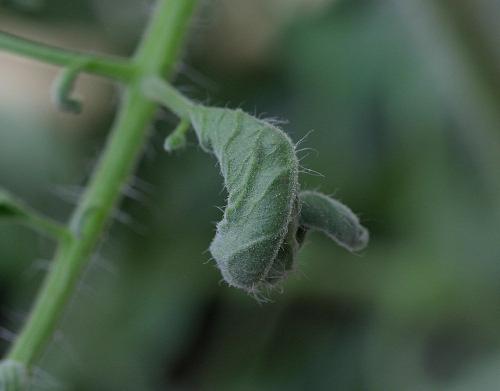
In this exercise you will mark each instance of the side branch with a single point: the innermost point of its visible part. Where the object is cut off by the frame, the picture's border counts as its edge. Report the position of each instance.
(115, 68)
(14, 210)
(160, 91)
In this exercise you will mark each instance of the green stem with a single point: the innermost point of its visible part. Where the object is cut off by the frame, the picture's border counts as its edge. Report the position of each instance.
(177, 139)
(162, 92)
(156, 55)
(115, 68)
(13, 209)
(48, 227)
(62, 88)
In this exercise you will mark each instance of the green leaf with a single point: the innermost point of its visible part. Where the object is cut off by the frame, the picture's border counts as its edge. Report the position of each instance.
(334, 219)
(255, 245)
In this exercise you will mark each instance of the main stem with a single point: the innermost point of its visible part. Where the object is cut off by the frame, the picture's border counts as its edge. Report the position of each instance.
(156, 55)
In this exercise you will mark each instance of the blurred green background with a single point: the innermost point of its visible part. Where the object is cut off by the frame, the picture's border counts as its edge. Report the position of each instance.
(398, 102)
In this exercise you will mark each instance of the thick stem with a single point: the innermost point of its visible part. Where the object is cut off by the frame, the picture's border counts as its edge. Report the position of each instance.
(157, 54)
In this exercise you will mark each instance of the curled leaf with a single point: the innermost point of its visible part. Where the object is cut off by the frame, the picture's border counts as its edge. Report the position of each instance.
(325, 214)
(255, 244)
(265, 221)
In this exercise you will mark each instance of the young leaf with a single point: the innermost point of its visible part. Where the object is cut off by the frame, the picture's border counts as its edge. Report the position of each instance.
(322, 213)
(255, 244)
(265, 221)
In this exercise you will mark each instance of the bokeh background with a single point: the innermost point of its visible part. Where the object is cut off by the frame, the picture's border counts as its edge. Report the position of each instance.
(398, 102)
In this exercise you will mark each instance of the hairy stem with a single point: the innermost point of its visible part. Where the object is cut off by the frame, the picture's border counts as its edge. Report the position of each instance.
(156, 55)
